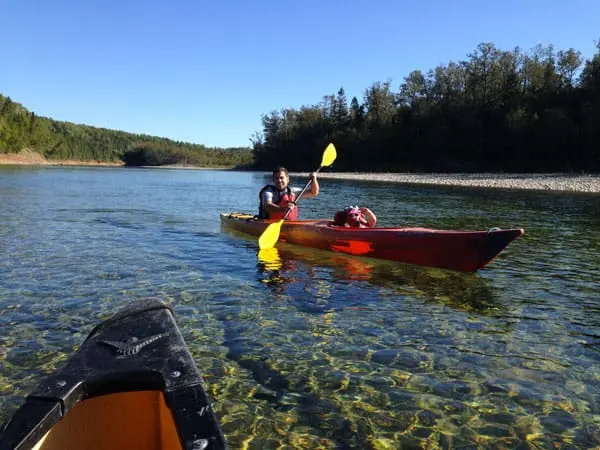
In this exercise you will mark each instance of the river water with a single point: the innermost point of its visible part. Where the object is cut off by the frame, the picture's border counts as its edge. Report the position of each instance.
(317, 349)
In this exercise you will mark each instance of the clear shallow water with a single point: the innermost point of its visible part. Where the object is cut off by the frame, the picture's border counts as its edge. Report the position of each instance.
(315, 349)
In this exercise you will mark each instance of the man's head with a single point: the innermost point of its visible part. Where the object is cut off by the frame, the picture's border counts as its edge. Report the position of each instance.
(281, 178)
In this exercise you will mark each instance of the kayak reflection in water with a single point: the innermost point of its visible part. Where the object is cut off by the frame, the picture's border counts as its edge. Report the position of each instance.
(355, 217)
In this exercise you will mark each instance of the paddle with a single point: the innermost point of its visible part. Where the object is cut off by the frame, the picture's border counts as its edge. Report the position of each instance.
(269, 237)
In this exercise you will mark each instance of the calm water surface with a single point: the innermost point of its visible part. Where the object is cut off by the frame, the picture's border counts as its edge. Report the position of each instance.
(316, 349)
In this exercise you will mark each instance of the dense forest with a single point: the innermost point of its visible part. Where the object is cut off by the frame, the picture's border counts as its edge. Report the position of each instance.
(20, 129)
(536, 111)
(511, 111)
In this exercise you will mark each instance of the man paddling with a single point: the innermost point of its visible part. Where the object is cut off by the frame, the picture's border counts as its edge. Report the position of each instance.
(277, 198)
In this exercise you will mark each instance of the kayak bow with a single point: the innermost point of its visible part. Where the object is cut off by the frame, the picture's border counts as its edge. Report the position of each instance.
(132, 385)
(466, 251)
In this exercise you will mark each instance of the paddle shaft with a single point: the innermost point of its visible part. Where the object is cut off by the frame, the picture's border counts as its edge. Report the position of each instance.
(287, 213)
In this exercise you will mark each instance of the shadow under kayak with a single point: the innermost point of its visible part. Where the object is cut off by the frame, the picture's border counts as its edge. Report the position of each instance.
(466, 251)
(131, 385)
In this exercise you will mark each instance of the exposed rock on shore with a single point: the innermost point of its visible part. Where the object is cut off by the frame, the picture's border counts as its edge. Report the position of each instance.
(544, 182)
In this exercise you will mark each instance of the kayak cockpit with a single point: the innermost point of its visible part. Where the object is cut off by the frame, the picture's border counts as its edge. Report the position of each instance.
(121, 421)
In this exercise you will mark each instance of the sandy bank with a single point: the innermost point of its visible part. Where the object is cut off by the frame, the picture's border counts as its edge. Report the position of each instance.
(31, 158)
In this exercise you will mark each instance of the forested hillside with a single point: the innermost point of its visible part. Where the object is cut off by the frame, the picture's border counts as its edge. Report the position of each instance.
(20, 129)
(497, 110)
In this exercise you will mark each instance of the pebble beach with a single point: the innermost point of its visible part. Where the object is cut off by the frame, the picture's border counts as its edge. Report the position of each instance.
(540, 182)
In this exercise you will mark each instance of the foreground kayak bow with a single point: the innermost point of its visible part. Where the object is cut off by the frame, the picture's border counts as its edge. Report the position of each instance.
(132, 385)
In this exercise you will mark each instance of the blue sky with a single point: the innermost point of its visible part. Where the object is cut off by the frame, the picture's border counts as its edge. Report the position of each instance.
(204, 71)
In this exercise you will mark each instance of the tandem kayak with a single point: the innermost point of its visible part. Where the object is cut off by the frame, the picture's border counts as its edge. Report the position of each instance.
(131, 385)
(466, 251)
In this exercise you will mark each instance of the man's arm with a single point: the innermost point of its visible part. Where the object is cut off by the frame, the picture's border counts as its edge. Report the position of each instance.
(273, 208)
(314, 187)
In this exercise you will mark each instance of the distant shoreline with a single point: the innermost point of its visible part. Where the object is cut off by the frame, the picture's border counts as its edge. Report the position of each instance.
(541, 182)
(28, 157)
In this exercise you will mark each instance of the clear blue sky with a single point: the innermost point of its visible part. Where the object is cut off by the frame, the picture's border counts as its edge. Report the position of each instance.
(204, 71)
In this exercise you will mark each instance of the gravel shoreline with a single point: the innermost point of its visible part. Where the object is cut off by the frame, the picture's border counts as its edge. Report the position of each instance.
(541, 182)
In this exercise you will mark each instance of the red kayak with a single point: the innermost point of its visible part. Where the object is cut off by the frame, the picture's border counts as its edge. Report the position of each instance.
(466, 251)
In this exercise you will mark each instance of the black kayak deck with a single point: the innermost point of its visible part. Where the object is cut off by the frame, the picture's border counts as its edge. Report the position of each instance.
(139, 349)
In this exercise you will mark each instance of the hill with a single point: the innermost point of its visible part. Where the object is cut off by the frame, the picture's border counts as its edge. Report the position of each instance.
(56, 141)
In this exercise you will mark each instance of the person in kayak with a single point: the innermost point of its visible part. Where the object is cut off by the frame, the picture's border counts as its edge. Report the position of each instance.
(355, 217)
(277, 198)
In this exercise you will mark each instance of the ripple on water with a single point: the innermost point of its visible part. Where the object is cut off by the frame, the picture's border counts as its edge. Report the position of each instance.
(324, 351)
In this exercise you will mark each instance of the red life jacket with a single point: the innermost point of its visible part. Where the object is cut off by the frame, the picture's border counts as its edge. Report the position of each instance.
(279, 200)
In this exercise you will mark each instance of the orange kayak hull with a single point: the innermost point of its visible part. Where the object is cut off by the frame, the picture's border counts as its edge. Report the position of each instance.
(466, 251)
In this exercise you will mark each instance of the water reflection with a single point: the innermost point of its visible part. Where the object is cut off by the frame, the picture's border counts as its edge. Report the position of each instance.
(310, 349)
(287, 263)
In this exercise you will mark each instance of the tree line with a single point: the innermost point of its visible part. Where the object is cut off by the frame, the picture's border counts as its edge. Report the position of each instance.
(497, 110)
(56, 140)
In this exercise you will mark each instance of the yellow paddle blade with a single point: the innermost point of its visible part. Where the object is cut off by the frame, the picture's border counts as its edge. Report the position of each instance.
(329, 156)
(269, 237)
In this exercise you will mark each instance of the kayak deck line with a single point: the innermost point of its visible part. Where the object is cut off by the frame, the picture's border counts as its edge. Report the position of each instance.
(460, 250)
(133, 346)
(132, 384)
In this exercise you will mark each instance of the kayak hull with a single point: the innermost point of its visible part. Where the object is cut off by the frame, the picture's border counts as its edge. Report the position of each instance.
(132, 384)
(466, 251)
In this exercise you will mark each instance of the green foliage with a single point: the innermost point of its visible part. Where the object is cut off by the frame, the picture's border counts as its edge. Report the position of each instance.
(21, 129)
(495, 111)
(157, 153)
